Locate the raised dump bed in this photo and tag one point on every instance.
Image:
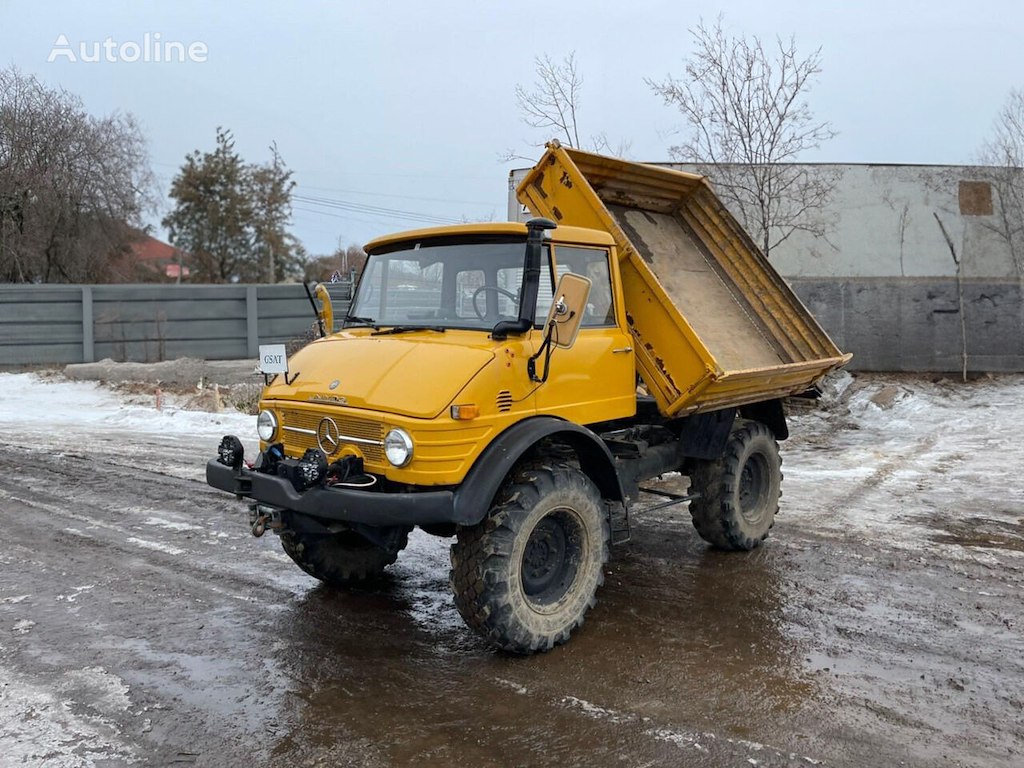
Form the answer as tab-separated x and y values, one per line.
715	325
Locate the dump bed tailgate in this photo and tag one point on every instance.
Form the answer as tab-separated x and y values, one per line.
714	324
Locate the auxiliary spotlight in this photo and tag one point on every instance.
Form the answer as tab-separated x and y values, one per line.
311	467
230	452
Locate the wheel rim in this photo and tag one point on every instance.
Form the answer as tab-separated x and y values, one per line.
551	557
754	487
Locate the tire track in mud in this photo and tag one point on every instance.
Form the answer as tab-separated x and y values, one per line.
147	558
111	506
692	745
881	475
183	627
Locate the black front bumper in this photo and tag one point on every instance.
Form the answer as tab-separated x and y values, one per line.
375	508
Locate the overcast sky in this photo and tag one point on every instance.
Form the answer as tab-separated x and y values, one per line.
406	106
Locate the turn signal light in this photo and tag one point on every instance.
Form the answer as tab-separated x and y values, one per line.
465	412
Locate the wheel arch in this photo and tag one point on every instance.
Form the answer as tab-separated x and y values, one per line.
473	498
771	414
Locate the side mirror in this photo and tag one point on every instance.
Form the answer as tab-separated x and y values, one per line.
566	313
326	312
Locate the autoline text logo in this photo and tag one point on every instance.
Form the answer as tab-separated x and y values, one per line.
151	49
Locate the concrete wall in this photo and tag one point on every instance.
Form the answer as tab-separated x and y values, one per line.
883	280
913	324
60	324
884	221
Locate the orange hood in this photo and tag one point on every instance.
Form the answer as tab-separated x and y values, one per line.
412	375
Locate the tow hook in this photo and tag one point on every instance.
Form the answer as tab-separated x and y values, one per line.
262	517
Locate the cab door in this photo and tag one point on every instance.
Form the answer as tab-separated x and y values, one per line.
594	380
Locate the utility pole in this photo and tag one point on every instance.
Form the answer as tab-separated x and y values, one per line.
6	202
270	248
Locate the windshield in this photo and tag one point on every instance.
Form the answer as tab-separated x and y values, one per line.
447	285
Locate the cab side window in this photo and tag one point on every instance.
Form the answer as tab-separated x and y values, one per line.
591	263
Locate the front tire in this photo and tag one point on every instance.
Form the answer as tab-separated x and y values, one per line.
740	491
344	558
525	577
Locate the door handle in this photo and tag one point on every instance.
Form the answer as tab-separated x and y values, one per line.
620	350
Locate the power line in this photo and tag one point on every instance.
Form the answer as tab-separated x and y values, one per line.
375	210
399	197
337	211
392	216
334	216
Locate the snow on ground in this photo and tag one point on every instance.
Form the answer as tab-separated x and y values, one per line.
41	726
57	411
910	461
51	413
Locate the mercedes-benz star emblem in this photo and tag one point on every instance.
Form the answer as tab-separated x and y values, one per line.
327	436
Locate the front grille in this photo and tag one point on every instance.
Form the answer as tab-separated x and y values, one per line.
504	401
363	429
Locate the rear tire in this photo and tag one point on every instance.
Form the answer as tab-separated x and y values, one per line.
344	558
525	577
740	491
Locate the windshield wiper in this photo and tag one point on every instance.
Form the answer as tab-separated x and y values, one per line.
357	321
407	328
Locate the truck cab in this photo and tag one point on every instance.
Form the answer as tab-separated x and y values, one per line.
427	349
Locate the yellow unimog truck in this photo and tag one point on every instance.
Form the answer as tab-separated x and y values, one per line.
514	385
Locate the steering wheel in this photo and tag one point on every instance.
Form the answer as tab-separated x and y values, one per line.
496	289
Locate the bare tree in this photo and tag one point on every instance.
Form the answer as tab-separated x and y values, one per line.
552	105
554	100
749	122
72	186
338	266
1004	154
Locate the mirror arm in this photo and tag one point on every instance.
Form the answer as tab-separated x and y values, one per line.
546	348
316	309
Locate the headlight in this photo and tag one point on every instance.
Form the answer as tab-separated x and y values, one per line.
398	447
266	426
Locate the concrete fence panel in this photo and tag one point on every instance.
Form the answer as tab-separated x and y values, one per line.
60	324
149	323
41	324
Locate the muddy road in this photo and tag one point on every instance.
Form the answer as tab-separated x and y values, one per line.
881	625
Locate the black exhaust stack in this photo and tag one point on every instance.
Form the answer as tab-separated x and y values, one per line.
536	233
